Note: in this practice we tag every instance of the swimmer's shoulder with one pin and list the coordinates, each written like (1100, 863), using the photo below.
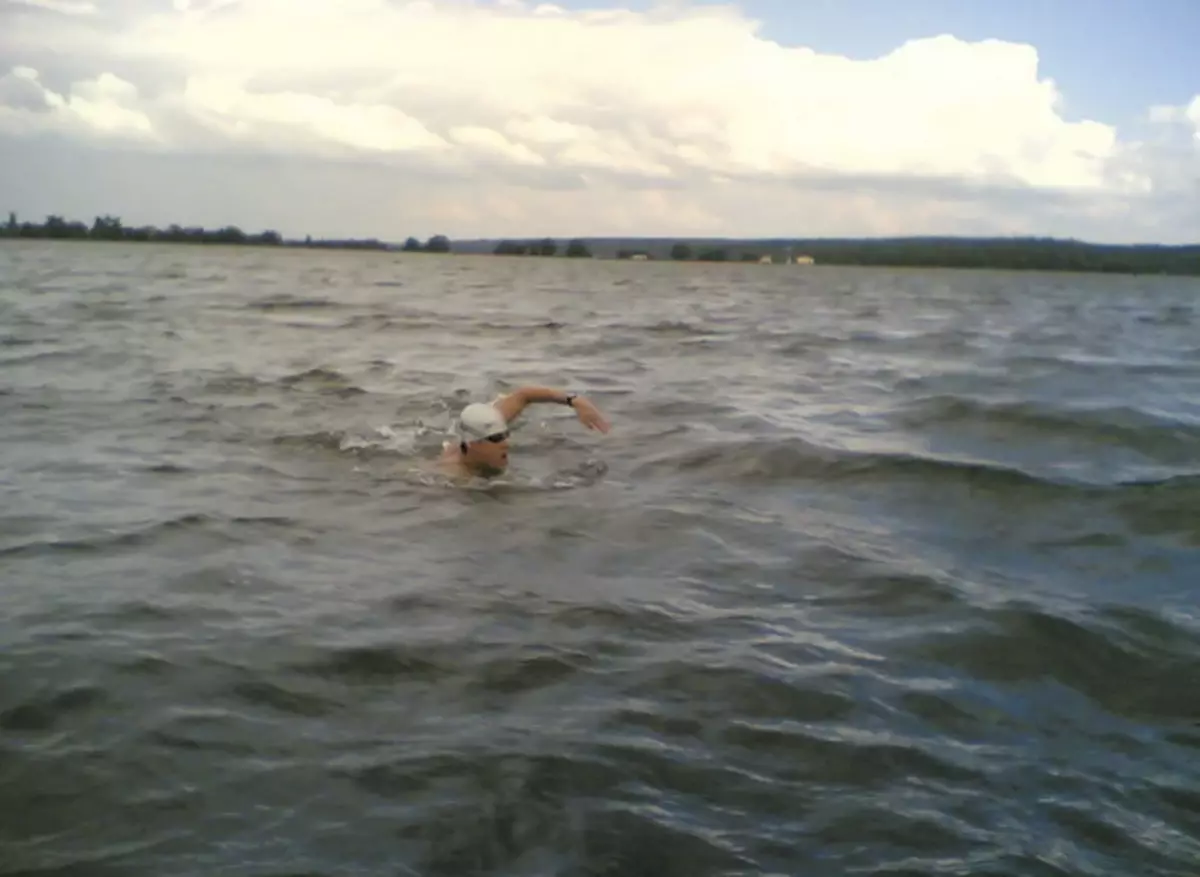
(448, 462)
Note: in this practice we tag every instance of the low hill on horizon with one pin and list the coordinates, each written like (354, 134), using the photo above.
(1014, 252)
(622, 241)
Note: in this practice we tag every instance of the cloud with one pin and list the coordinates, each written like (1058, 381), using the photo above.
(1185, 118)
(103, 107)
(66, 7)
(669, 121)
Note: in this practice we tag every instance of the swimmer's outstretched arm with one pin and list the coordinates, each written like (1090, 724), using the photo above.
(512, 404)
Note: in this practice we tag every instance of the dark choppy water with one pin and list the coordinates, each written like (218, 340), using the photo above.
(877, 573)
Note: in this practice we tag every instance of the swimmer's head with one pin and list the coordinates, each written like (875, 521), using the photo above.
(483, 437)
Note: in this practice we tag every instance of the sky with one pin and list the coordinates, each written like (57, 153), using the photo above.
(663, 118)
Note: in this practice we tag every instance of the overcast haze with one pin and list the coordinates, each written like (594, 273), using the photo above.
(489, 119)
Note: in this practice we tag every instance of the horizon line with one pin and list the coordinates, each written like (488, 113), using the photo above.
(725, 238)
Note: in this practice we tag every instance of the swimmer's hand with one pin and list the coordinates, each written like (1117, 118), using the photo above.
(589, 414)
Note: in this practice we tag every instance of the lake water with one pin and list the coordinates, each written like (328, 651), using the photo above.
(878, 572)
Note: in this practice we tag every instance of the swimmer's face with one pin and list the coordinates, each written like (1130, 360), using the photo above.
(490, 454)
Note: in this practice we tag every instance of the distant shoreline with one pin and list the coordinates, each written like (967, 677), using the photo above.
(1012, 253)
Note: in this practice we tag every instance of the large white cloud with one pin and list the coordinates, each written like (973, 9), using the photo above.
(674, 110)
(103, 107)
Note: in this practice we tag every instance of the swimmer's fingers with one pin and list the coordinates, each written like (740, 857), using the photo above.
(590, 416)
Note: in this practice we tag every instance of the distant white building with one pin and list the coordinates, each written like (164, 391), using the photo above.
(789, 259)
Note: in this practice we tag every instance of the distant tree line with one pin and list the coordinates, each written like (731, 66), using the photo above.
(1034, 254)
(439, 243)
(1027, 253)
(576, 248)
(681, 252)
(684, 253)
(110, 228)
(1037, 254)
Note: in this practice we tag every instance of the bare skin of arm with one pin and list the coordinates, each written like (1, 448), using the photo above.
(512, 404)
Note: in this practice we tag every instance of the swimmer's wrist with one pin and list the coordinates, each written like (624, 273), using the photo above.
(569, 399)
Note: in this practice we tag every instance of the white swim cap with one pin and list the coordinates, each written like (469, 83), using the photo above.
(479, 420)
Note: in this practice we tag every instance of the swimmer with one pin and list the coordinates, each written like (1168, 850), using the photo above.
(482, 446)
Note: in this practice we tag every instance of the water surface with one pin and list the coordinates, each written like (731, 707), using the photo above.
(878, 572)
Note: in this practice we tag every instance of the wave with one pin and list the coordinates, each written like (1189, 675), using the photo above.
(774, 460)
(225, 529)
(1133, 427)
(1166, 505)
(1096, 365)
(289, 302)
(321, 380)
(795, 344)
(658, 328)
(757, 460)
(1162, 507)
(1130, 662)
(40, 356)
(235, 384)
(513, 797)
(385, 440)
(670, 327)
(127, 539)
(19, 341)
(45, 711)
(463, 326)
